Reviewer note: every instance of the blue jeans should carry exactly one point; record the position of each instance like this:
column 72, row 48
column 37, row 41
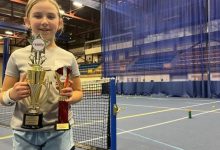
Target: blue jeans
column 43, row 140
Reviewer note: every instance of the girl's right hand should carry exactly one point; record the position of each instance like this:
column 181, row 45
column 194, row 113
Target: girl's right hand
column 20, row 89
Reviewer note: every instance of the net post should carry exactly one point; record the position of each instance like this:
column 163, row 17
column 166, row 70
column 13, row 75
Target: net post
column 113, row 114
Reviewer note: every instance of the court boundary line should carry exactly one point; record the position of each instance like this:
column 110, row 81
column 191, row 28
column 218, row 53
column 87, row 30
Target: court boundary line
column 165, row 122
column 150, row 106
column 156, row 141
column 165, row 110
column 165, row 98
column 195, row 110
column 6, row 137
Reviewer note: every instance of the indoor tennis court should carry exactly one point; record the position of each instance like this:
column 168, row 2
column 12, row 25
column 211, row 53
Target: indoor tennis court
column 161, row 123
column 149, row 69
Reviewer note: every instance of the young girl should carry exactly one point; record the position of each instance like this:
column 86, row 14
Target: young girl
column 42, row 17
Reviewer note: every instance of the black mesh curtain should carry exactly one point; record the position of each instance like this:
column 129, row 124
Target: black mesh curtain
column 165, row 47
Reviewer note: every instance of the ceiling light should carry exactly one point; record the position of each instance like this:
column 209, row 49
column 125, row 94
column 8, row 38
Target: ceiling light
column 9, row 32
column 1, row 37
column 77, row 4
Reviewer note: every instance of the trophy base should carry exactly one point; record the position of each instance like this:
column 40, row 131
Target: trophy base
column 62, row 126
column 62, row 123
column 32, row 121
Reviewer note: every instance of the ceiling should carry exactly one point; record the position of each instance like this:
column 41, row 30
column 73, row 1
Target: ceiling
column 80, row 24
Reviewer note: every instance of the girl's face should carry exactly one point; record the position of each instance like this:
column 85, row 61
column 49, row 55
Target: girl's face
column 43, row 19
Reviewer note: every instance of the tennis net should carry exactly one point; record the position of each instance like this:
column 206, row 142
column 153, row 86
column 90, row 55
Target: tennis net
column 92, row 116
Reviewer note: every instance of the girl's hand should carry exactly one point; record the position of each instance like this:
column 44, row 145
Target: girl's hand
column 20, row 89
column 67, row 91
column 68, row 85
column 73, row 91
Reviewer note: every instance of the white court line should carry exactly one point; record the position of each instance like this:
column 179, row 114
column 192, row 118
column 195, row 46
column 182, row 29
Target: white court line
column 141, row 105
column 6, row 137
column 94, row 139
column 167, row 107
column 156, row 141
column 199, row 104
column 137, row 129
column 166, row 122
column 165, row 110
column 165, row 98
column 155, row 124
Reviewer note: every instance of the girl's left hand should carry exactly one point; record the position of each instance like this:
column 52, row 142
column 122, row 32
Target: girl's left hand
column 73, row 93
column 68, row 91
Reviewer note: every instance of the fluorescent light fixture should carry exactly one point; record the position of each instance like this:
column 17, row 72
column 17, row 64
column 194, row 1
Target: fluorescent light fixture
column 77, row 4
column 1, row 37
column 95, row 4
column 9, row 32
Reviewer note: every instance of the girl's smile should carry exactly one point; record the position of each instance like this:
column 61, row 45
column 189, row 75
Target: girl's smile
column 44, row 19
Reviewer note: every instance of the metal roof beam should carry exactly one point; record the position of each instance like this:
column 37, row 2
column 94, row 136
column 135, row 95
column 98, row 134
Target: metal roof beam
column 19, row 2
column 13, row 27
column 71, row 15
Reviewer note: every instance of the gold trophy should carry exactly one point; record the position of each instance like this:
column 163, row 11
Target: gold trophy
column 33, row 118
column 62, row 77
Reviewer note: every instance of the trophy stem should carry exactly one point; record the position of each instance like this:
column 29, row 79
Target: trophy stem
column 63, row 112
column 63, row 122
column 62, row 76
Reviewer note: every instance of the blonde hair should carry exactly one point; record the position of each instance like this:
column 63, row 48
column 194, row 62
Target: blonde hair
column 31, row 3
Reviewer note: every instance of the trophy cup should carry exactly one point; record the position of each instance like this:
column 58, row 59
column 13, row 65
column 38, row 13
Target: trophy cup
column 33, row 118
column 62, row 77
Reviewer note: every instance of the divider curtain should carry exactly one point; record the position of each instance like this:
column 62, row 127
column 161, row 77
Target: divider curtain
column 168, row 47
